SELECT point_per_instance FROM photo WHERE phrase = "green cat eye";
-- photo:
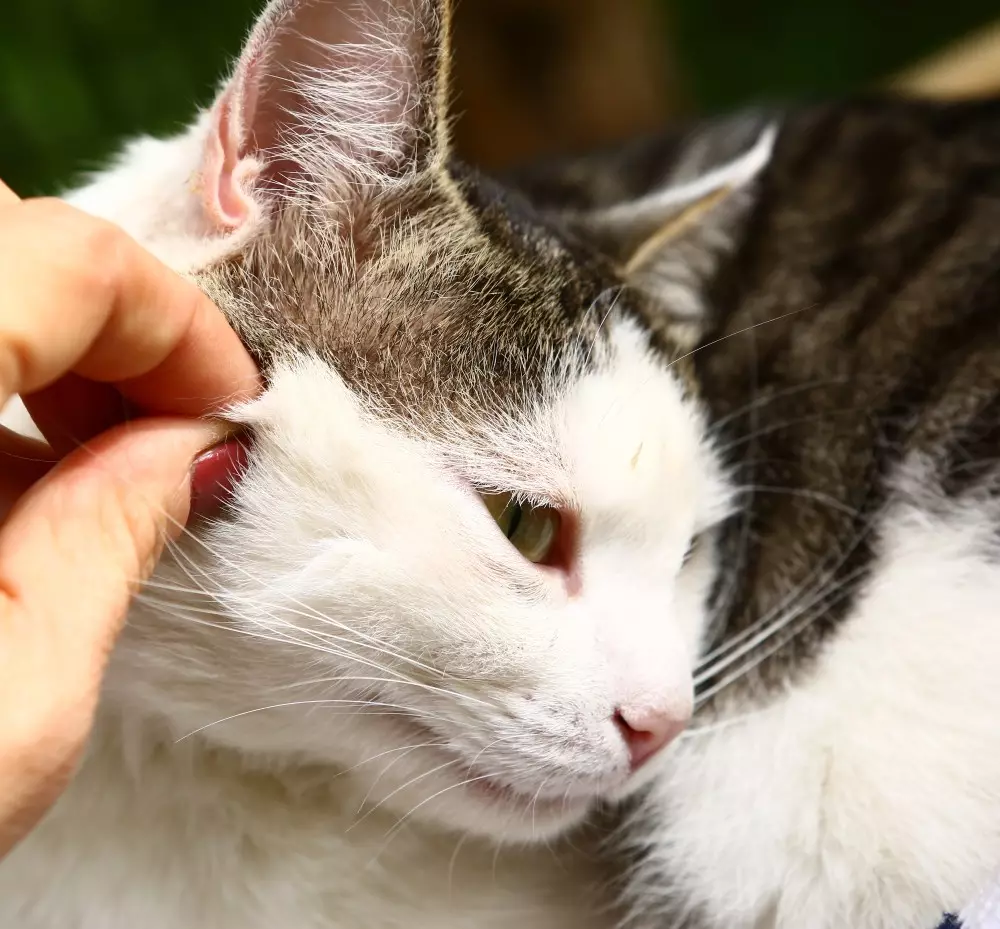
(532, 530)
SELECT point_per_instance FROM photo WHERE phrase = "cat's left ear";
(334, 97)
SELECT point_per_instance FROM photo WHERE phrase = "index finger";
(78, 293)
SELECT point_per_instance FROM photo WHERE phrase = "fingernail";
(215, 474)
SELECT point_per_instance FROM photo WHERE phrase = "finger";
(72, 410)
(7, 195)
(96, 521)
(23, 461)
(77, 293)
(95, 525)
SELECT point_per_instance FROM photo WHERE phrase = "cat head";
(462, 561)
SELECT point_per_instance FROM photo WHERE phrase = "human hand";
(88, 321)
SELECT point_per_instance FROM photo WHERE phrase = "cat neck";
(182, 833)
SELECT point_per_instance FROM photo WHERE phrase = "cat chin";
(448, 792)
(503, 815)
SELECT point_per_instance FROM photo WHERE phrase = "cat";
(697, 433)
(844, 766)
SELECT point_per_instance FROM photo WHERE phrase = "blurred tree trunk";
(539, 76)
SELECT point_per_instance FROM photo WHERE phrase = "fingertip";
(7, 195)
(207, 371)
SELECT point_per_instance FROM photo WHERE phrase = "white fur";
(301, 713)
(869, 795)
(356, 571)
(153, 192)
(306, 697)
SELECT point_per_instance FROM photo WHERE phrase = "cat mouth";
(485, 789)
(490, 790)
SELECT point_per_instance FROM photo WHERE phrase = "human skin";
(91, 325)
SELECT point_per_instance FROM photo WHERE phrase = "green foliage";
(78, 75)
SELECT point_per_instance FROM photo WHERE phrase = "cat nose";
(647, 730)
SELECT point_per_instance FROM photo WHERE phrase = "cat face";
(462, 563)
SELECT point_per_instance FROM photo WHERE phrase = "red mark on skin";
(215, 475)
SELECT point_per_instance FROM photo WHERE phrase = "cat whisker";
(611, 308)
(713, 670)
(405, 749)
(327, 639)
(393, 679)
(310, 612)
(385, 770)
(534, 801)
(817, 579)
(404, 819)
(706, 729)
(404, 710)
(178, 553)
(730, 335)
(276, 636)
(774, 427)
(413, 780)
(755, 405)
(227, 624)
(806, 494)
(843, 591)
(452, 860)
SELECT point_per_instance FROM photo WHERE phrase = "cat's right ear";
(669, 240)
(330, 98)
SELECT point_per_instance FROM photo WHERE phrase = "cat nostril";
(646, 731)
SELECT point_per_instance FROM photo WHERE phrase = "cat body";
(844, 768)
(705, 425)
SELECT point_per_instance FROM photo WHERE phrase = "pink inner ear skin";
(227, 176)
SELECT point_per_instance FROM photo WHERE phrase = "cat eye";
(532, 530)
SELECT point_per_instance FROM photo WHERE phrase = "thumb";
(72, 553)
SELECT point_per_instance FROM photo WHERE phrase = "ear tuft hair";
(329, 99)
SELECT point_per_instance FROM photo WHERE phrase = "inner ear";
(327, 95)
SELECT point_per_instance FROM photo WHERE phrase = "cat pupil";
(532, 530)
(515, 518)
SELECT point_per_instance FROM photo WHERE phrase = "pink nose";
(646, 731)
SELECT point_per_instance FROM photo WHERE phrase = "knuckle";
(91, 249)
(99, 249)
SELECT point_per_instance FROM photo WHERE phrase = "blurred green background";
(77, 75)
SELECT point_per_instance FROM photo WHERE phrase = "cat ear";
(328, 95)
(669, 242)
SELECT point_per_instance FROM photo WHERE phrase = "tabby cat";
(701, 434)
